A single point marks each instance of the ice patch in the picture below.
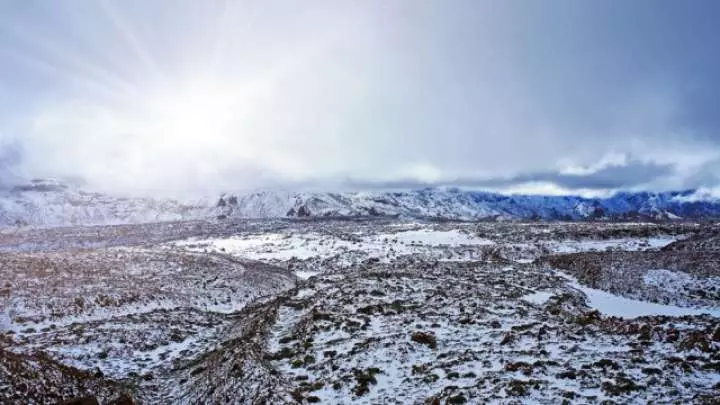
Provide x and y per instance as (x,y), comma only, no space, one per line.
(615,305)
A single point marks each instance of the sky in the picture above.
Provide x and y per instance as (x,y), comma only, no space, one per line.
(183,97)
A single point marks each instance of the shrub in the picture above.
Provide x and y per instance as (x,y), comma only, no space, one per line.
(427,339)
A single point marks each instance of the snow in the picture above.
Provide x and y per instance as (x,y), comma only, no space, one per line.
(51,204)
(674,281)
(305,293)
(404,368)
(120,366)
(663,278)
(614,305)
(358,317)
(306,274)
(460,204)
(526,252)
(626,244)
(95,314)
(269,246)
(5,321)
(538,297)
(435,238)
(283,247)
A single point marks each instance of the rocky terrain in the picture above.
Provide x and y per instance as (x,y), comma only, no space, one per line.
(361,311)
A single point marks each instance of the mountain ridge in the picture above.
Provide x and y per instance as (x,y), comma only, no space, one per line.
(50,203)
(470,205)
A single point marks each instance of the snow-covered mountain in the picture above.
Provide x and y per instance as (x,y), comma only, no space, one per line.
(51,203)
(468,205)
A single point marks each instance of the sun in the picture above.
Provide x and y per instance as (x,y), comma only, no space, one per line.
(196,111)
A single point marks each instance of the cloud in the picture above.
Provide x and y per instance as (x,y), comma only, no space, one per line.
(615,176)
(10,159)
(704,175)
(213,97)
(631,173)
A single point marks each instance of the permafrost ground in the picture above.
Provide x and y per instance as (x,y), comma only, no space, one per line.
(374,312)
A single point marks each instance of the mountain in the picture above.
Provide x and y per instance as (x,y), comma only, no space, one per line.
(469,205)
(47,203)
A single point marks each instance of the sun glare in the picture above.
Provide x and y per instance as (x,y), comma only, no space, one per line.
(195,110)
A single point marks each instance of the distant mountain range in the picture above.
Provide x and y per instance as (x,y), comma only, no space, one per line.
(470,205)
(50,203)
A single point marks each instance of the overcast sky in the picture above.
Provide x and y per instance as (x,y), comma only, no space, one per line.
(183,97)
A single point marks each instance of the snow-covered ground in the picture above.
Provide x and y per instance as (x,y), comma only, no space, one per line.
(673,281)
(477,337)
(454,245)
(430,237)
(624,244)
(385,246)
(127,310)
(363,312)
(527,252)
